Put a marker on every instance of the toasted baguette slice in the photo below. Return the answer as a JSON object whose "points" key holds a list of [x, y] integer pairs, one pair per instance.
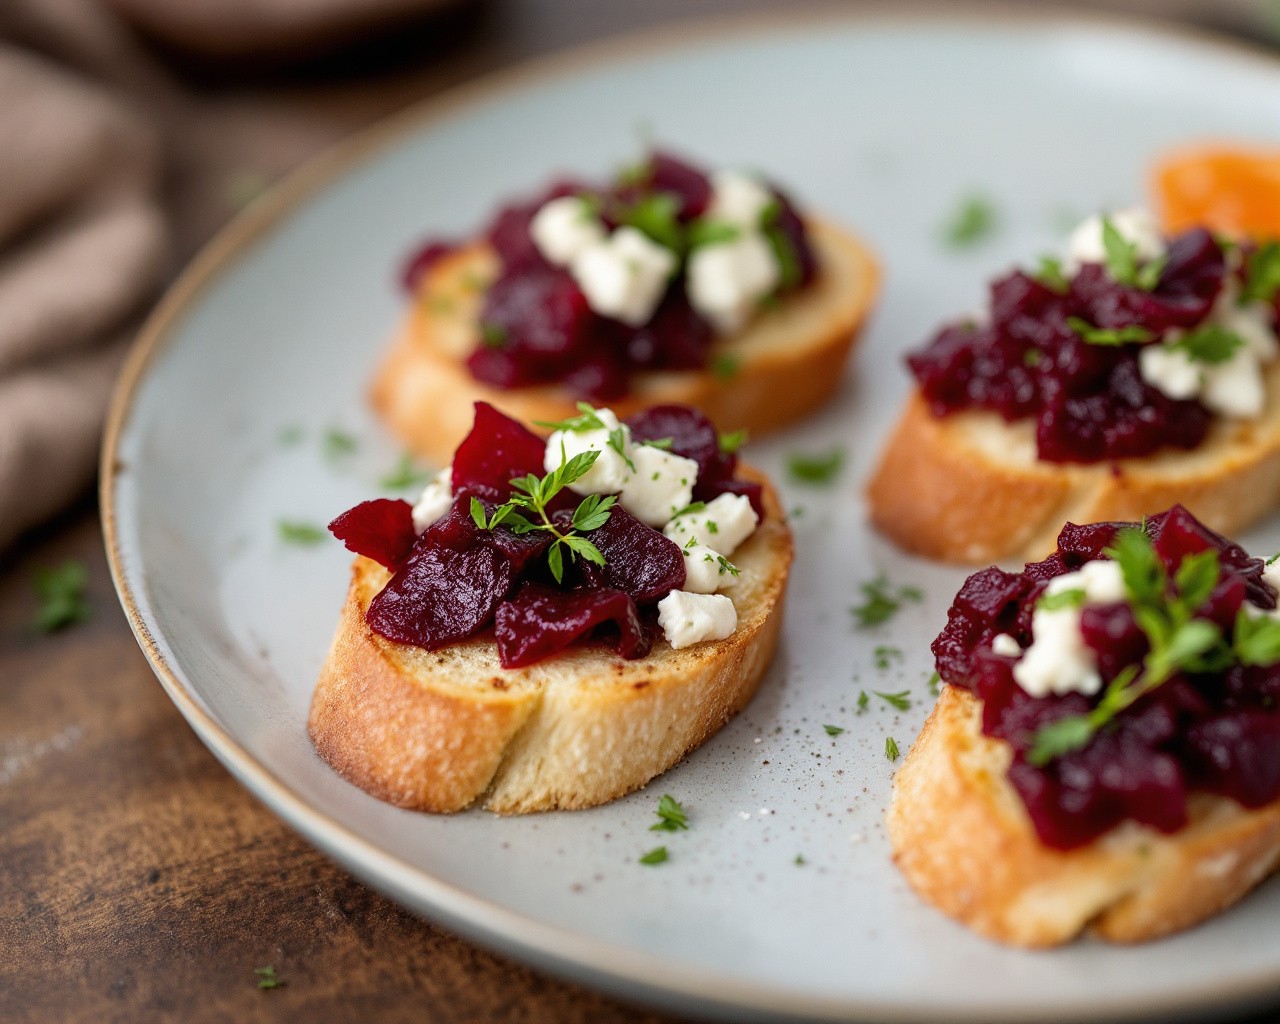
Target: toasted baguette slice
{"points": [[961, 836], [968, 487], [787, 362], [437, 731]]}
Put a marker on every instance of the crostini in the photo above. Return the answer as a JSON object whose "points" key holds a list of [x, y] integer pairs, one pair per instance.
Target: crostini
{"points": [[555, 621], [1105, 755], [666, 285], [1137, 372]]}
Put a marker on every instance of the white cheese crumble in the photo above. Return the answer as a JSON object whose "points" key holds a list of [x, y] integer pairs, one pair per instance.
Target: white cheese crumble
{"points": [[1058, 660], [687, 619], [722, 525], [1136, 225], [1270, 574], [436, 500], [738, 199], [624, 276], [610, 473], [660, 486], [727, 280], [1170, 371], [564, 227], [705, 570], [1004, 644]]}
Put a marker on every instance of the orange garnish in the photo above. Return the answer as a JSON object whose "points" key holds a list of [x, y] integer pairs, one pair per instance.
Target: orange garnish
{"points": [[1228, 188]]}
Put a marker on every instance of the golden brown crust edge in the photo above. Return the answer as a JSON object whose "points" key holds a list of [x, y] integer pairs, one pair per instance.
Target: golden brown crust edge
{"points": [[789, 361], [439, 731], [965, 844], [966, 488]]}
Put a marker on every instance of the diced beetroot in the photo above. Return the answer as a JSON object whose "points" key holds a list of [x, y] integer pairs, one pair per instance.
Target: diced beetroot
{"points": [[497, 450], [540, 621], [692, 434], [749, 489], [677, 338], [1235, 755], [690, 185], [509, 232], [1089, 401], [1113, 634], [790, 225], [599, 377], [639, 560], [1079, 544], [423, 260], [504, 369], [381, 529], [539, 315]]}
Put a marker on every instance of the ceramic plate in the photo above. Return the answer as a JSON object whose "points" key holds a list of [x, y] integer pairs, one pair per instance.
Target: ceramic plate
{"points": [[781, 898]]}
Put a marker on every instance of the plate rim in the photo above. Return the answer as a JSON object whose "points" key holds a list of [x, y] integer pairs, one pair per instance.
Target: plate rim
{"points": [[618, 970]]}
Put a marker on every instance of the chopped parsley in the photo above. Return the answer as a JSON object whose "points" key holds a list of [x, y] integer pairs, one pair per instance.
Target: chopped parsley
{"points": [[1050, 274], [657, 855], [671, 816], [799, 861], [304, 534], [973, 220], [1072, 598], [708, 231], [935, 684], [833, 730], [661, 443], [900, 701], [405, 476], [1209, 343], [267, 977], [1262, 274], [885, 654], [863, 701], [689, 509], [588, 418], [731, 442], [816, 469], [1109, 335], [1122, 260], [1031, 357], [493, 335], [1179, 642], [533, 494], [338, 444], [61, 594], [882, 600], [891, 748], [725, 366], [656, 216]]}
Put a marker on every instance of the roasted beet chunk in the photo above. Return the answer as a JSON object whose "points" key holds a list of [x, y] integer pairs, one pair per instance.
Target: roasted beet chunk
{"points": [[417, 265], [381, 529], [497, 450], [638, 559], [539, 316], [541, 621]]}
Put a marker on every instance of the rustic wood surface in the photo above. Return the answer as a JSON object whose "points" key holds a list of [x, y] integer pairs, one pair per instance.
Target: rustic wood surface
{"points": [[138, 881]]}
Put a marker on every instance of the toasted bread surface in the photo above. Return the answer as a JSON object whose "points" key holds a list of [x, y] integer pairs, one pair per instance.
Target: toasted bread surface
{"points": [[968, 487], [784, 364], [441, 730], [963, 840]]}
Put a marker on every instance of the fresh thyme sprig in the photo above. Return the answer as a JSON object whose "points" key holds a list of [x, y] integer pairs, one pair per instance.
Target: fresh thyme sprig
{"points": [[534, 494]]}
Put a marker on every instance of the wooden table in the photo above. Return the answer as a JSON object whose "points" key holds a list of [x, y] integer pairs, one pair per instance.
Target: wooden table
{"points": [[138, 881]]}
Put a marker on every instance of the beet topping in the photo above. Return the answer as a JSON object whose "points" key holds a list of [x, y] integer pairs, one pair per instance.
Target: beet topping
{"points": [[536, 324], [457, 579], [1089, 401], [1209, 731]]}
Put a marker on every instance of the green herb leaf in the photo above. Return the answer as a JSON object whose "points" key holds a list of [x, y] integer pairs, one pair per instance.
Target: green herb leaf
{"points": [[863, 701], [406, 476], [1032, 357], [799, 861], [816, 469], [1121, 254], [1109, 335], [1058, 738], [1049, 273], [833, 730], [661, 443], [1256, 640], [588, 418], [891, 748], [1072, 598], [656, 215], [657, 855], [477, 514], [1149, 274], [689, 509], [1209, 343], [901, 701], [935, 684], [974, 219], [884, 655], [555, 562], [731, 442], [618, 442], [705, 231], [337, 444], [267, 977], [493, 335], [882, 600], [671, 816], [62, 598], [583, 548], [727, 566], [1262, 274], [593, 512], [294, 532]]}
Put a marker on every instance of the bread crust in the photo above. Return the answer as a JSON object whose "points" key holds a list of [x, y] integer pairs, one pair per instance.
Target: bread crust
{"points": [[439, 731], [968, 487], [789, 360], [963, 839]]}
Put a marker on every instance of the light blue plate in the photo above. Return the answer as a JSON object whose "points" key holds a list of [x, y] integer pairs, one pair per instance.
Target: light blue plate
{"points": [[885, 124]]}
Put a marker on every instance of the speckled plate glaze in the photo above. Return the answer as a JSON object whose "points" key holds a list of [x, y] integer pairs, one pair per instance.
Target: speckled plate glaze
{"points": [[780, 900]]}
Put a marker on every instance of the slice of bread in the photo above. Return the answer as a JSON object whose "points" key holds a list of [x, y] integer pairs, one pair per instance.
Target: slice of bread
{"points": [[441, 730], [968, 487], [964, 841], [785, 364]]}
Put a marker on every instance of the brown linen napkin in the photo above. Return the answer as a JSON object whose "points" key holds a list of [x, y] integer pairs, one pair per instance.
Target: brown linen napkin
{"points": [[83, 244]]}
